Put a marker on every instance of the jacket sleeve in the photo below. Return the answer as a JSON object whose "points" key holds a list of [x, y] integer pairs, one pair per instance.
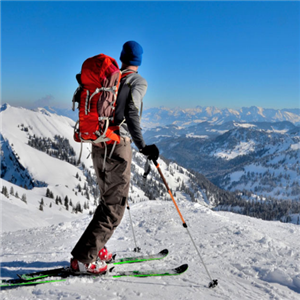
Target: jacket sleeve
{"points": [[138, 88]]}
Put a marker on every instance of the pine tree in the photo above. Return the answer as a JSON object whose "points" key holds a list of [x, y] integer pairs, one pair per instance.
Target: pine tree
{"points": [[4, 191], [78, 208], [24, 198], [67, 202]]}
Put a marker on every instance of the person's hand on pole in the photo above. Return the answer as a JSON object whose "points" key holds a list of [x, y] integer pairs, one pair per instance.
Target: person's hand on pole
{"points": [[151, 151]]}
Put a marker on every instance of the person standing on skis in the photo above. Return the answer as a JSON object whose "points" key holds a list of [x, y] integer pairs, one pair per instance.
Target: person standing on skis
{"points": [[90, 253]]}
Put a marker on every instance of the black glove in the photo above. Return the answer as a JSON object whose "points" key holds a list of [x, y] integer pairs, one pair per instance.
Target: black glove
{"points": [[151, 151]]}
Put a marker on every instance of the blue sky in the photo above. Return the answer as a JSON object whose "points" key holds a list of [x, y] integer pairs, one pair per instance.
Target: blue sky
{"points": [[224, 54]]}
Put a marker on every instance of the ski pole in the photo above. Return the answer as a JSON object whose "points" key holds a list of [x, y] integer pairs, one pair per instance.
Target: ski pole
{"points": [[214, 282], [136, 249]]}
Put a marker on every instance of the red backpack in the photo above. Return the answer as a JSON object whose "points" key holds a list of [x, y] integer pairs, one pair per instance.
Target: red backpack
{"points": [[97, 94]]}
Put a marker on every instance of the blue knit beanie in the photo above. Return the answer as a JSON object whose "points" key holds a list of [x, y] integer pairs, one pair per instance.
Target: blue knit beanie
{"points": [[131, 54]]}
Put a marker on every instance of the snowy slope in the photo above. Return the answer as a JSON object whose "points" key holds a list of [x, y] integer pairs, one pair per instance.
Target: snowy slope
{"points": [[31, 172], [42, 124], [251, 258], [16, 214], [28, 171]]}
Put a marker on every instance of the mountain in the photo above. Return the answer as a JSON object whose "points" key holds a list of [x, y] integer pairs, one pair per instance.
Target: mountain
{"points": [[162, 116], [63, 112], [39, 160], [206, 130], [261, 158], [40, 179]]}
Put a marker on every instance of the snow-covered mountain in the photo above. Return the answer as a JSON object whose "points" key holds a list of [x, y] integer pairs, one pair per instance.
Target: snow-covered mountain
{"points": [[251, 258], [38, 160], [162, 116], [262, 158], [206, 130]]}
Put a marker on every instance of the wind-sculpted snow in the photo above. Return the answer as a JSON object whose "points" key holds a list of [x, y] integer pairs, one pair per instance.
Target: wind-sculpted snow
{"points": [[251, 258]]}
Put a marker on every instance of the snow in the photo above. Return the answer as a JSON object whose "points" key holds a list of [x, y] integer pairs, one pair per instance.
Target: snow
{"points": [[242, 148], [295, 146], [278, 131], [186, 117], [59, 176], [192, 135], [244, 125], [40, 123], [251, 258], [19, 215], [56, 175]]}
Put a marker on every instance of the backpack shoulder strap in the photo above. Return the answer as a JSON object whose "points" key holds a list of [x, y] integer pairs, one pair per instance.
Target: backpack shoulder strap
{"points": [[126, 72]]}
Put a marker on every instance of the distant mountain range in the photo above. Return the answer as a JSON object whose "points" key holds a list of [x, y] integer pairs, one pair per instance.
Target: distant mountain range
{"points": [[38, 159], [186, 117], [261, 158], [240, 161], [207, 130], [162, 116], [204, 140]]}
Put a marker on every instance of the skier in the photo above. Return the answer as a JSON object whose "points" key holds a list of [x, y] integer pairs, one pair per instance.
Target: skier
{"points": [[113, 174]]}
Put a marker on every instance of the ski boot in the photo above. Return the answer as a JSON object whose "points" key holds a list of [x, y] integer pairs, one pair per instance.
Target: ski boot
{"points": [[97, 267], [104, 255]]}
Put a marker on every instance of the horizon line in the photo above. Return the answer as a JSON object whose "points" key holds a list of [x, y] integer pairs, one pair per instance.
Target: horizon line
{"points": [[153, 107]]}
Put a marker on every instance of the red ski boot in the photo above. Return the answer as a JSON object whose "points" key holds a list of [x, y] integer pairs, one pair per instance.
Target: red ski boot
{"points": [[97, 267], [104, 255]]}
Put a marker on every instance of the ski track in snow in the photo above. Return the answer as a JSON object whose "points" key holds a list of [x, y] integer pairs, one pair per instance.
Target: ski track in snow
{"points": [[251, 258]]}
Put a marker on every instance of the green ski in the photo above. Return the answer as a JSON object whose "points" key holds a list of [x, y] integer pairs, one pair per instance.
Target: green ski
{"points": [[19, 282], [151, 273], [140, 258], [66, 272], [125, 260]]}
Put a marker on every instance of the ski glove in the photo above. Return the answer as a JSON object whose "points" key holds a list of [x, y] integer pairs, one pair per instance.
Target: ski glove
{"points": [[151, 151]]}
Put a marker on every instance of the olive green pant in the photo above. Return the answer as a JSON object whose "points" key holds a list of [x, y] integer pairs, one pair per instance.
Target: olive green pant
{"points": [[114, 187]]}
